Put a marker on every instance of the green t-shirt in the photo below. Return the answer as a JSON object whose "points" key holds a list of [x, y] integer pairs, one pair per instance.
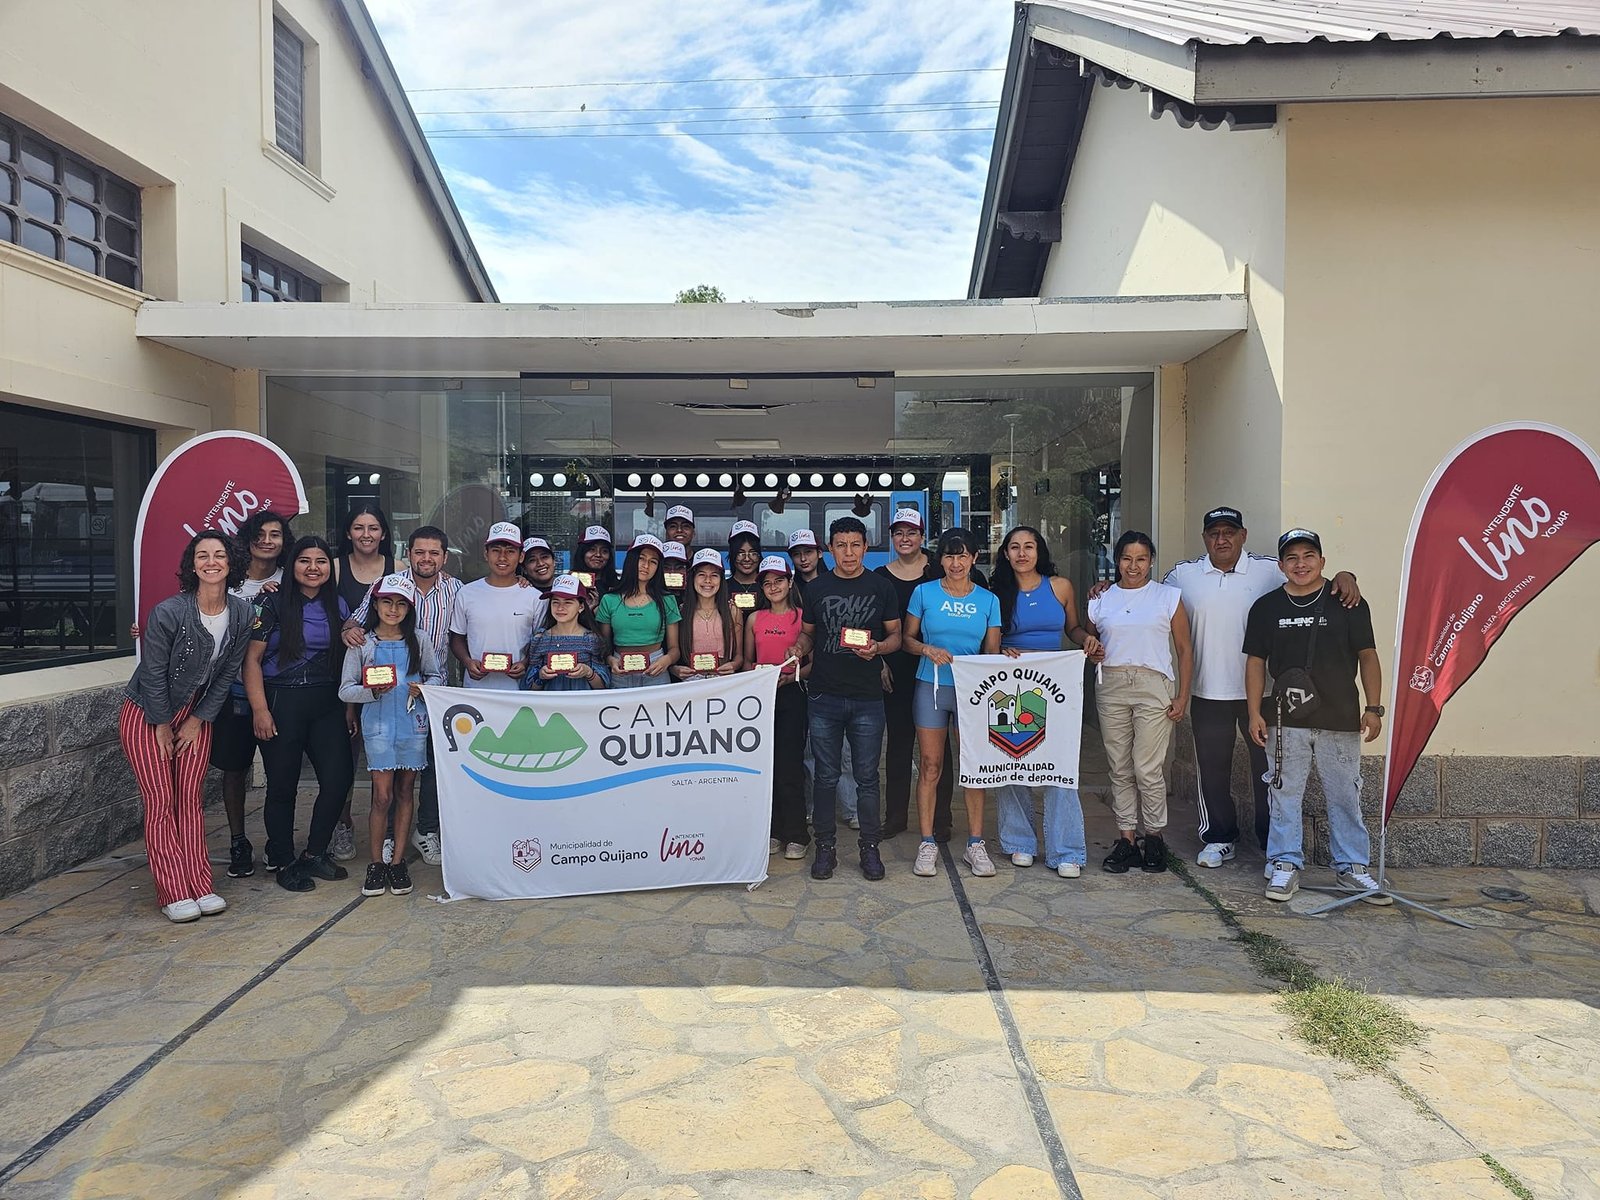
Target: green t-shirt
{"points": [[635, 626]]}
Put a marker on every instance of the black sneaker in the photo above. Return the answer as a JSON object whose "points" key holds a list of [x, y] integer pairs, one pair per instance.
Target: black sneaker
{"points": [[1123, 856], [399, 879], [376, 881], [871, 863], [241, 858], [322, 866], [293, 878], [826, 860], [1155, 854]]}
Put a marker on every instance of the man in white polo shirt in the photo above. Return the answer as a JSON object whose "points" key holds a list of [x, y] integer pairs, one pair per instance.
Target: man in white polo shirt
{"points": [[495, 616], [1218, 590]]}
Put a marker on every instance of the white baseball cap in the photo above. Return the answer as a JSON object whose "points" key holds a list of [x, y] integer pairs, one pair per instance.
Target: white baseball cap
{"points": [[680, 512], [396, 585], [646, 539], [675, 550], [597, 533], [906, 516], [802, 537], [566, 585], [535, 543], [503, 531], [743, 528], [774, 564], [708, 555]]}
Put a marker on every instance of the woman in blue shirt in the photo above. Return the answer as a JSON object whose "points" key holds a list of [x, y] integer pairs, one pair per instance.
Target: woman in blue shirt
{"points": [[947, 617]]}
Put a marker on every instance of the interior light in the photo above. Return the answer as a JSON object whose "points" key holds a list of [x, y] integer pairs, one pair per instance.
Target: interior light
{"points": [[725, 480], [863, 479], [559, 479], [772, 480], [885, 479], [536, 479], [657, 479], [794, 480], [839, 479], [353, 479], [816, 479], [702, 480], [635, 479], [374, 477], [680, 479], [748, 480], [907, 479]]}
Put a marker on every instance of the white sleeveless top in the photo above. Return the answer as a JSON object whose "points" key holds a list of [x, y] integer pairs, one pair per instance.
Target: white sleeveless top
{"points": [[1135, 626]]}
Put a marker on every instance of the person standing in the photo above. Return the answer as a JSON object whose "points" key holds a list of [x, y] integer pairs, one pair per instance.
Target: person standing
{"points": [[744, 556], [494, 617], [427, 550], [594, 560], [675, 572], [566, 653], [710, 629], [1037, 609], [366, 555], [193, 645], [640, 620], [851, 619], [1218, 590], [1300, 629], [808, 566], [678, 526], [806, 557], [538, 564], [947, 617], [291, 674], [1140, 697], [770, 632]]}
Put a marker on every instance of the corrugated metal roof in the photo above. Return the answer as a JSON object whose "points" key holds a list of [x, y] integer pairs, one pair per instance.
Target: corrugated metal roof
{"points": [[1238, 22]]}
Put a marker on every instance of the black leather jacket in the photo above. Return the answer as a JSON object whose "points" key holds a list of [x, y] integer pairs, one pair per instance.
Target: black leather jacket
{"points": [[177, 663]]}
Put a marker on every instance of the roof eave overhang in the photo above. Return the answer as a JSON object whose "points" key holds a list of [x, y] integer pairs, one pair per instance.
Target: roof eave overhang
{"points": [[1012, 103]]}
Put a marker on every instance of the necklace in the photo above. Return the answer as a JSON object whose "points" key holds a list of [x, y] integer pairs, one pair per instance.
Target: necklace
{"points": [[1309, 601]]}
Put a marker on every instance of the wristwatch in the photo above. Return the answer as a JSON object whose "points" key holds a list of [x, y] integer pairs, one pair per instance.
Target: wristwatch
{"points": [[1376, 710]]}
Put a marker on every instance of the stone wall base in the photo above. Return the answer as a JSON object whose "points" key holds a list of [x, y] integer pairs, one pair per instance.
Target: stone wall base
{"points": [[1455, 811]]}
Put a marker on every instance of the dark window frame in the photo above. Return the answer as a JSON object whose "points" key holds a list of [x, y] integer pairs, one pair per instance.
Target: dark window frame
{"points": [[265, 279], [38, 169], [289, 90]]}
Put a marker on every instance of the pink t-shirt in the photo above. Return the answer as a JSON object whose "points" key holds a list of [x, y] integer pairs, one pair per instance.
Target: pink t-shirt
{"points": [[774, 634]]}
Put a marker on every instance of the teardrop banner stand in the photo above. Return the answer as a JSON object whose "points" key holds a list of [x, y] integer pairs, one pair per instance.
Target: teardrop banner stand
{"points": [[1502, 517]]}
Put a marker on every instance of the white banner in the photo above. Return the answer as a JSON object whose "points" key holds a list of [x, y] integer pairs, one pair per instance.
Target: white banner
{"points": [[571, 793], [1021, 718]]}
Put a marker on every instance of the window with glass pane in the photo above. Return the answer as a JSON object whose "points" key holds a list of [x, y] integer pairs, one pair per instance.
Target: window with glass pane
{"points": [[266, 280], [69, 501], [289, 90], [64, 207]]}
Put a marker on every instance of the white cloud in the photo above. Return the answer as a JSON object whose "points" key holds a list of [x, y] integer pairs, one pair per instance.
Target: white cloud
{"points": [[769, 218]]}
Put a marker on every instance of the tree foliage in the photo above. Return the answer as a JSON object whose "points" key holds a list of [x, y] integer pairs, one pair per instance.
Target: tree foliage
{"points": [[702, 293]]}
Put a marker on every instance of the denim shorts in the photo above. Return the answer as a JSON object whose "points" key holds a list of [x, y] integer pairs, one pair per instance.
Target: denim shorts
{"points": [[930, 710]]}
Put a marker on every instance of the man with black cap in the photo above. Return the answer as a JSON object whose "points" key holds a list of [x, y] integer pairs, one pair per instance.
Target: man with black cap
{"points": [[1314, 649], [1218, 590]]}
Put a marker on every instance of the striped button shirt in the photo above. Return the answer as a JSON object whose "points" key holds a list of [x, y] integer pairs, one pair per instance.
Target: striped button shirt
{"points": [[433, 611]]}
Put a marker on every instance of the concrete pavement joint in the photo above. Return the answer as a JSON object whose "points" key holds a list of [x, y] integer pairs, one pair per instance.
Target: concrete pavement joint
{"points": [[1038, 1107], [87, 1113]]}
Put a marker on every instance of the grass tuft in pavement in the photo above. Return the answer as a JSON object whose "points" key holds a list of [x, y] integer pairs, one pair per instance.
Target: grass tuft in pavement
{"points": [[1507, 1180], [1348, 1023]]}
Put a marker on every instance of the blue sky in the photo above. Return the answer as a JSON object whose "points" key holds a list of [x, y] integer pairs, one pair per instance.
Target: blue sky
{"points": [[779, 216]]}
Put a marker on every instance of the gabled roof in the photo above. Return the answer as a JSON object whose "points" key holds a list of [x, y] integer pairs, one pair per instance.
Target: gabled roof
{"points": [[375, 64]]}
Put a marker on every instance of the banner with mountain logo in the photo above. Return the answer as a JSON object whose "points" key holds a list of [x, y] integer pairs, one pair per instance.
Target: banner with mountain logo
{"points": [[572, 793], [1021, 719]]}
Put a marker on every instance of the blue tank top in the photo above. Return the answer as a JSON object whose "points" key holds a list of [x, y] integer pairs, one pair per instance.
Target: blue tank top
{"points": [[1038, 622]]}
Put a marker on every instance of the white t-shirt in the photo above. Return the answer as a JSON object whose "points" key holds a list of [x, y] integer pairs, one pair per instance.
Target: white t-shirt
{"points": [[496, 620], [1136, 626], [1218, 604], [250, 589], [217, 627]]}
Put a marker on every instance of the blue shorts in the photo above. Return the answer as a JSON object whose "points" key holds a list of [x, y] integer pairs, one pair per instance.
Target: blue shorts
{"points": [[927, 712]]}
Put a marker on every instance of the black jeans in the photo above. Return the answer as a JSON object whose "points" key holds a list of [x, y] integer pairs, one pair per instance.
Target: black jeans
{"points": [[1214, 723], [788, 766], [310, 723], [900, 750], [428, 797]]}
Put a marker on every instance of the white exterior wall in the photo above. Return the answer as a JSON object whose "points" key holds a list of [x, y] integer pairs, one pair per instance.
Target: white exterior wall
{"points": [[1156, 209]]}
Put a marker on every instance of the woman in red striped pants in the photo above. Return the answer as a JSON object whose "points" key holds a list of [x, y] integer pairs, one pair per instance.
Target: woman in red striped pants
{"points": [[192, 647]]}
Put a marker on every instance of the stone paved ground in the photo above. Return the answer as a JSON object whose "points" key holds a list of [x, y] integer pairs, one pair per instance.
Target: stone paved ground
{"points": [[836, 1039]]}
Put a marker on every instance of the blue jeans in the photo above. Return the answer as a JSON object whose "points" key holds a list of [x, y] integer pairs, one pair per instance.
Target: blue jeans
{"points": [[1338, 758], [1063, 825], [846, 804], [835, 721]]}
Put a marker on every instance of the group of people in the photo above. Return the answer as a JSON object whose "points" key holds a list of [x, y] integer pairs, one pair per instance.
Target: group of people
{"points": [[297, 648]]}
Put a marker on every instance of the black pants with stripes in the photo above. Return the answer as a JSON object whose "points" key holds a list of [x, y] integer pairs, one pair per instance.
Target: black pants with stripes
{"points": [[1214, 723]]}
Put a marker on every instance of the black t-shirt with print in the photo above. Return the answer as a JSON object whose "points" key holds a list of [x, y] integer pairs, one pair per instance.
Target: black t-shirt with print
{"points": [[1279, 630], [833, 604]]}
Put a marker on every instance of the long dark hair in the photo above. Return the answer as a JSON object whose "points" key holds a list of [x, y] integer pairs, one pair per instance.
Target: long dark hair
{"points": [[1003, 579], [188, 581], [628, 584], [259, 521], [796, 594], [1132, 538], [606, 578], [724, 606], [408, 631], [290, 603], [585, 619], [366, 508]]}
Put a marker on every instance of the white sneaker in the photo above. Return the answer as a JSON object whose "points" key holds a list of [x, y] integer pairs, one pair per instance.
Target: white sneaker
{"points": [[773, 845], [794, 852], [855, 822], [180, 911], [1214, 854], [343, 846], [1069, 870], [976, 856], [211, 904], [1021, 859], [388, 850], [1285, 881], [927, 858], [428, 846], [1357, 879]]}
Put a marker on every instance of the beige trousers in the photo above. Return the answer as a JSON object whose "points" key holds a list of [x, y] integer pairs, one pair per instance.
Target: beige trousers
{"points": [[1133, 702]]}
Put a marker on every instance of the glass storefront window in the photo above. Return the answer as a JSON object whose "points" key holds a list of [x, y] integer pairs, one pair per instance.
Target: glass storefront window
{"points": [[69, 502]]}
